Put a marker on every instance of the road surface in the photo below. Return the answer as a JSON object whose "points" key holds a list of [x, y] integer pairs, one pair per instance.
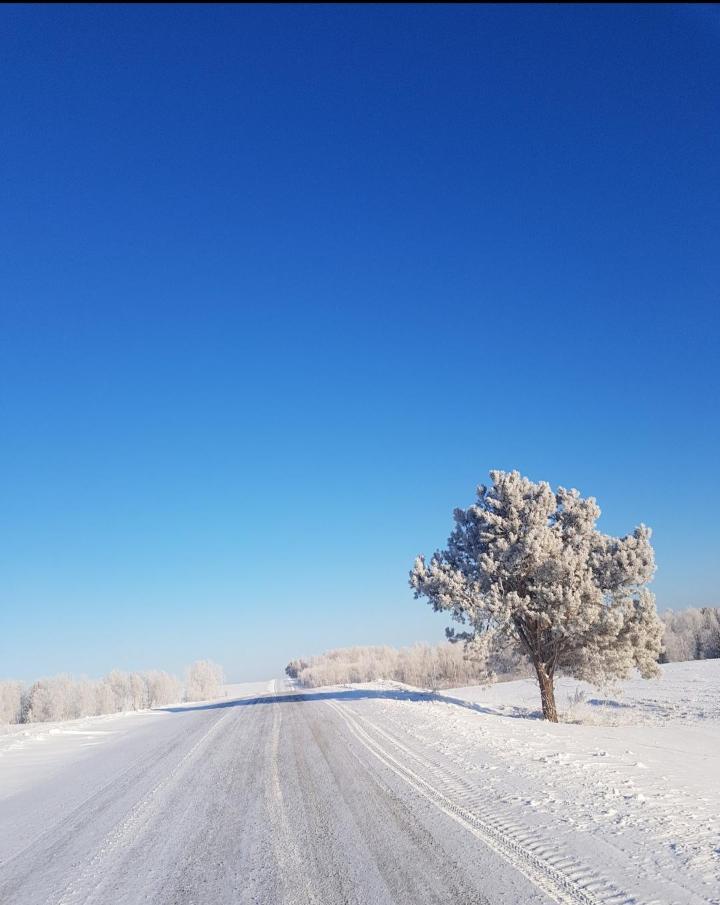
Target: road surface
{"points": [[280, 798]]}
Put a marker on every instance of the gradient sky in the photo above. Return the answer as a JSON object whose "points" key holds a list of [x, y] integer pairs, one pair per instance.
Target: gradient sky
{"points": [[279, 286]]}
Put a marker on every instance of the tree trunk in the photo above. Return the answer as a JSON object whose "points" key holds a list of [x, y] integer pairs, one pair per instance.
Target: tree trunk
{"points": [[547, 693]]}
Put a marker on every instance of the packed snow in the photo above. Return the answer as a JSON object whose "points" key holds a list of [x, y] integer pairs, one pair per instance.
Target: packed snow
{"points": [[619, 804], [30, 752], [630, 782]]}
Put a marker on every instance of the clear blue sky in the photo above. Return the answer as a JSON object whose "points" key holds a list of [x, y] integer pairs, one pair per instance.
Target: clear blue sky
{"points": [[280, 285]]}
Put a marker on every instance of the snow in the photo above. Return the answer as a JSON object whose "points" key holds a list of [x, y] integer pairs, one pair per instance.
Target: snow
{"points": [[33, 752], [631, 785], [621, 801], [246, 689], [684, 691], [260, 799]]}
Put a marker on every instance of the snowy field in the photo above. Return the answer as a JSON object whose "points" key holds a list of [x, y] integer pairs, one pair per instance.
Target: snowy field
{"points": [[373, 794]]}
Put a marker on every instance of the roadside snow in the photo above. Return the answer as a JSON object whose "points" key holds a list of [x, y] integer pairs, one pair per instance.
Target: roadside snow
{"points": [[624, 796], [686, 692], [247, 689], [32, 751], [632, 785]]}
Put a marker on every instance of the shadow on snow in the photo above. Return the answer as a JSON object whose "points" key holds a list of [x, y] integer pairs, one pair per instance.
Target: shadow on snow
{"points": [[357, 694]]}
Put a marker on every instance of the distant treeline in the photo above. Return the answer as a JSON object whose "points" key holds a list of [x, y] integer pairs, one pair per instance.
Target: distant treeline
{"points": [[422, 665], [692, 634], [66, 698]]}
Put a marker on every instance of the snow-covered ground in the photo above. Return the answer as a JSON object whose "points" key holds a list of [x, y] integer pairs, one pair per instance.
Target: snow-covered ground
{"points": [[34, 752], [374, 794], [31, 752], [244, 689], [630, 787]]}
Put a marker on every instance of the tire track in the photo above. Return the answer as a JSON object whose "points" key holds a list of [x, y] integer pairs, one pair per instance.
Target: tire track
{"points": [[128, 828], [553, 881], [286, 849], [92, 801]]}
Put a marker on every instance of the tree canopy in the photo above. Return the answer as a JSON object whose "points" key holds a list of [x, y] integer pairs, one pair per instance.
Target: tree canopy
{"points": [[527, 566]]}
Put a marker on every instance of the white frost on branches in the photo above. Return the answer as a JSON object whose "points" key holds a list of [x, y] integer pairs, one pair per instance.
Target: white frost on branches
{"points": [[527, 565], [66, 698], [10, 702], [422, 665], [692, 634], [204, 681]]}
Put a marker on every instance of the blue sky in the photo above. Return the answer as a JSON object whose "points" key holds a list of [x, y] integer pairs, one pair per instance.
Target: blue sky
{"points": [[279, 286]]}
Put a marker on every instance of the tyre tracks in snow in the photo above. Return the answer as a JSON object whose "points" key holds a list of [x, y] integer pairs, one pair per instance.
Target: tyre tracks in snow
{"points": [[142, 812], [285, 847], [558, 875]]}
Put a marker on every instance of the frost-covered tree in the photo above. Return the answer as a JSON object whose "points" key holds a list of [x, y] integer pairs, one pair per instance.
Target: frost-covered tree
{"points": [[10, 702], [137, 684], [708, 645], [66, 698], [105, 701], [83, 696], [119, 683], [204, 680], [692, 634], [424, 666], [526, 565], [162, 689], [52, 699]]}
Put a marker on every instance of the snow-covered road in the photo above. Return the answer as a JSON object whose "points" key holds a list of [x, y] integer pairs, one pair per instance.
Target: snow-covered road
{"points": [[272, 799], [333, 796]]}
